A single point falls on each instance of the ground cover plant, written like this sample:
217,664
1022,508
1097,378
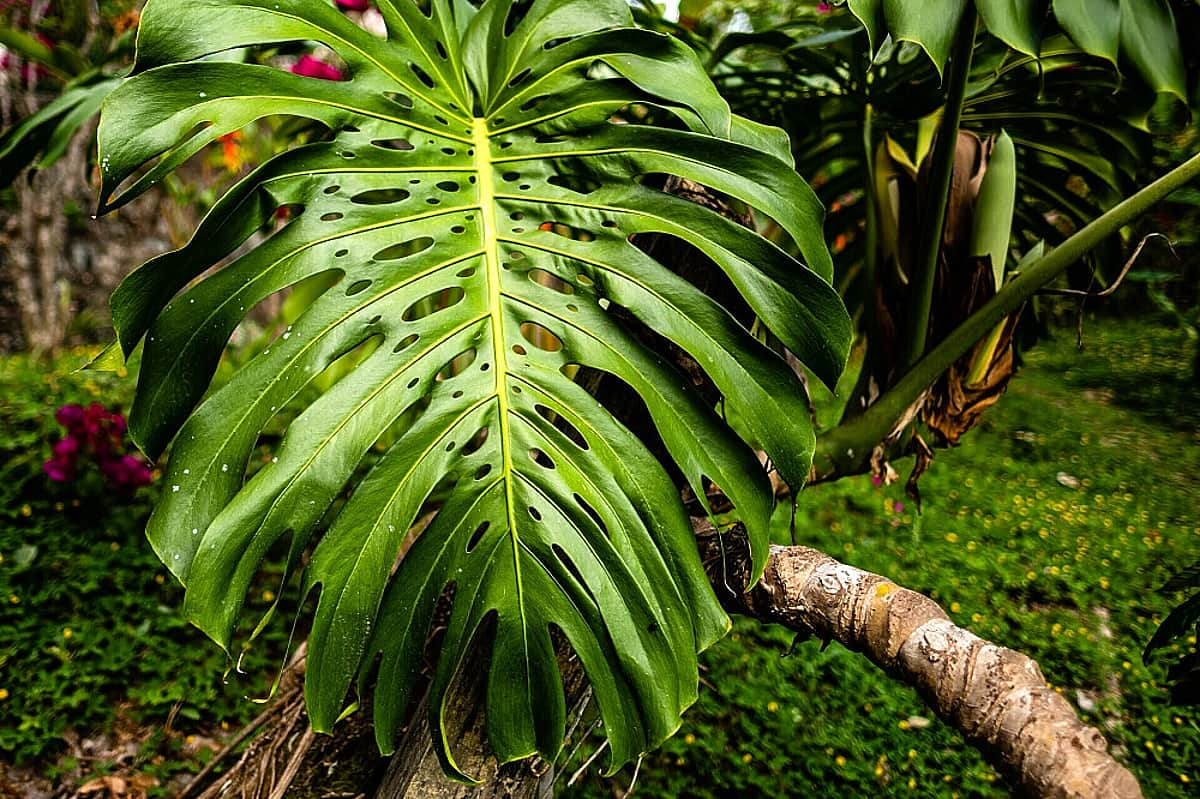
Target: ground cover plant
92,673
552,313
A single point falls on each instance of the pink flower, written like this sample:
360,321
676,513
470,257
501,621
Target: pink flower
69,416
126,473
353,5
100,432
876,480
824,8
311,67
898,506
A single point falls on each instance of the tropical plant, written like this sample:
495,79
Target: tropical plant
475,199
469,238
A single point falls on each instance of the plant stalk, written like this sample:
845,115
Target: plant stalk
937,194
846,448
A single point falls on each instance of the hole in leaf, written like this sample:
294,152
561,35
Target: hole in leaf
477,536
468,272
402,100
533,102
332,216
404,249
567,231
357,287
450,447
541,458
448,185
449,150
457,365
541,337
571,568
393,144
516,216
441,119
458,229
432,303
482,471
422,75
349,155
519,350
476,441
608,223
380,196
519,78
441,50
550,281
509,177
412,383
405,342
333,189
535,513
515,15
563,426
341,253
590,511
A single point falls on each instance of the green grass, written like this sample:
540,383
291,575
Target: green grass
92,642
1065,575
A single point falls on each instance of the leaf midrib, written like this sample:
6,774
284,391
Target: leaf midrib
491,248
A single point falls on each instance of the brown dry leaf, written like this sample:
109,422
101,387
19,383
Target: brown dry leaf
118,787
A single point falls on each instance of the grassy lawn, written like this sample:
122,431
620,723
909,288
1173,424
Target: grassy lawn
1047,531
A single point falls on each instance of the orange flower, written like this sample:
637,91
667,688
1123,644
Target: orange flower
231,152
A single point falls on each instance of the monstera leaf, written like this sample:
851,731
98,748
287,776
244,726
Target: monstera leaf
471,211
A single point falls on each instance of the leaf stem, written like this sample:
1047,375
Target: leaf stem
846,448
937,195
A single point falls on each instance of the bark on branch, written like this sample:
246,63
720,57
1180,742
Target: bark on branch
995,696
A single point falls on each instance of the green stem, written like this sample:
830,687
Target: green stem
937,194
847,447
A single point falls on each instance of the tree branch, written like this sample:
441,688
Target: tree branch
995,696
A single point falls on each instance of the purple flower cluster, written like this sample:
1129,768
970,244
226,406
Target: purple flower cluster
95,433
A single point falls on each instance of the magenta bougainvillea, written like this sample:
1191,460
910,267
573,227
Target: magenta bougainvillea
95,435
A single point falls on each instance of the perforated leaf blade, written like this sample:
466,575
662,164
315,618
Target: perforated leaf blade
472,211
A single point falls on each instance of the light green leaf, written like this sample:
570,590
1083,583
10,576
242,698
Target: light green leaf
870,14
465,232
1149,39
994,207
1094,25
1017,23
931,24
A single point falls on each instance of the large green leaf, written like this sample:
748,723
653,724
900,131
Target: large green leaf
474,204
1018,23
1094,25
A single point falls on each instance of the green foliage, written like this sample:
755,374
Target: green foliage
90,638
474,202
1016,553
1142,30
